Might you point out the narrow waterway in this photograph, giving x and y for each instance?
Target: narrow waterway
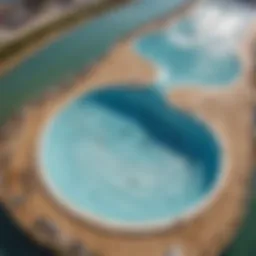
(68, 55)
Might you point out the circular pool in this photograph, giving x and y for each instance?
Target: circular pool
(125, 158)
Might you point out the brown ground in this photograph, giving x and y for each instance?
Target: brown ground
(228, 112)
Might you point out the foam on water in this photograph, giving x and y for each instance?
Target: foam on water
(199, 49)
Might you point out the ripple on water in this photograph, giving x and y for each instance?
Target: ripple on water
(104, 154)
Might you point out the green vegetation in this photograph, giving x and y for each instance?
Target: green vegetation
(64, 23)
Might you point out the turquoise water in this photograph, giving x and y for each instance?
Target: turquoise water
(126, 156)
(183, 57)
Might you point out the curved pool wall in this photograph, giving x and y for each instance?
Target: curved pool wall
(125, 156)
(200, 49)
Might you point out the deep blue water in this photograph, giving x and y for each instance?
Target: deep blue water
(127, 156)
